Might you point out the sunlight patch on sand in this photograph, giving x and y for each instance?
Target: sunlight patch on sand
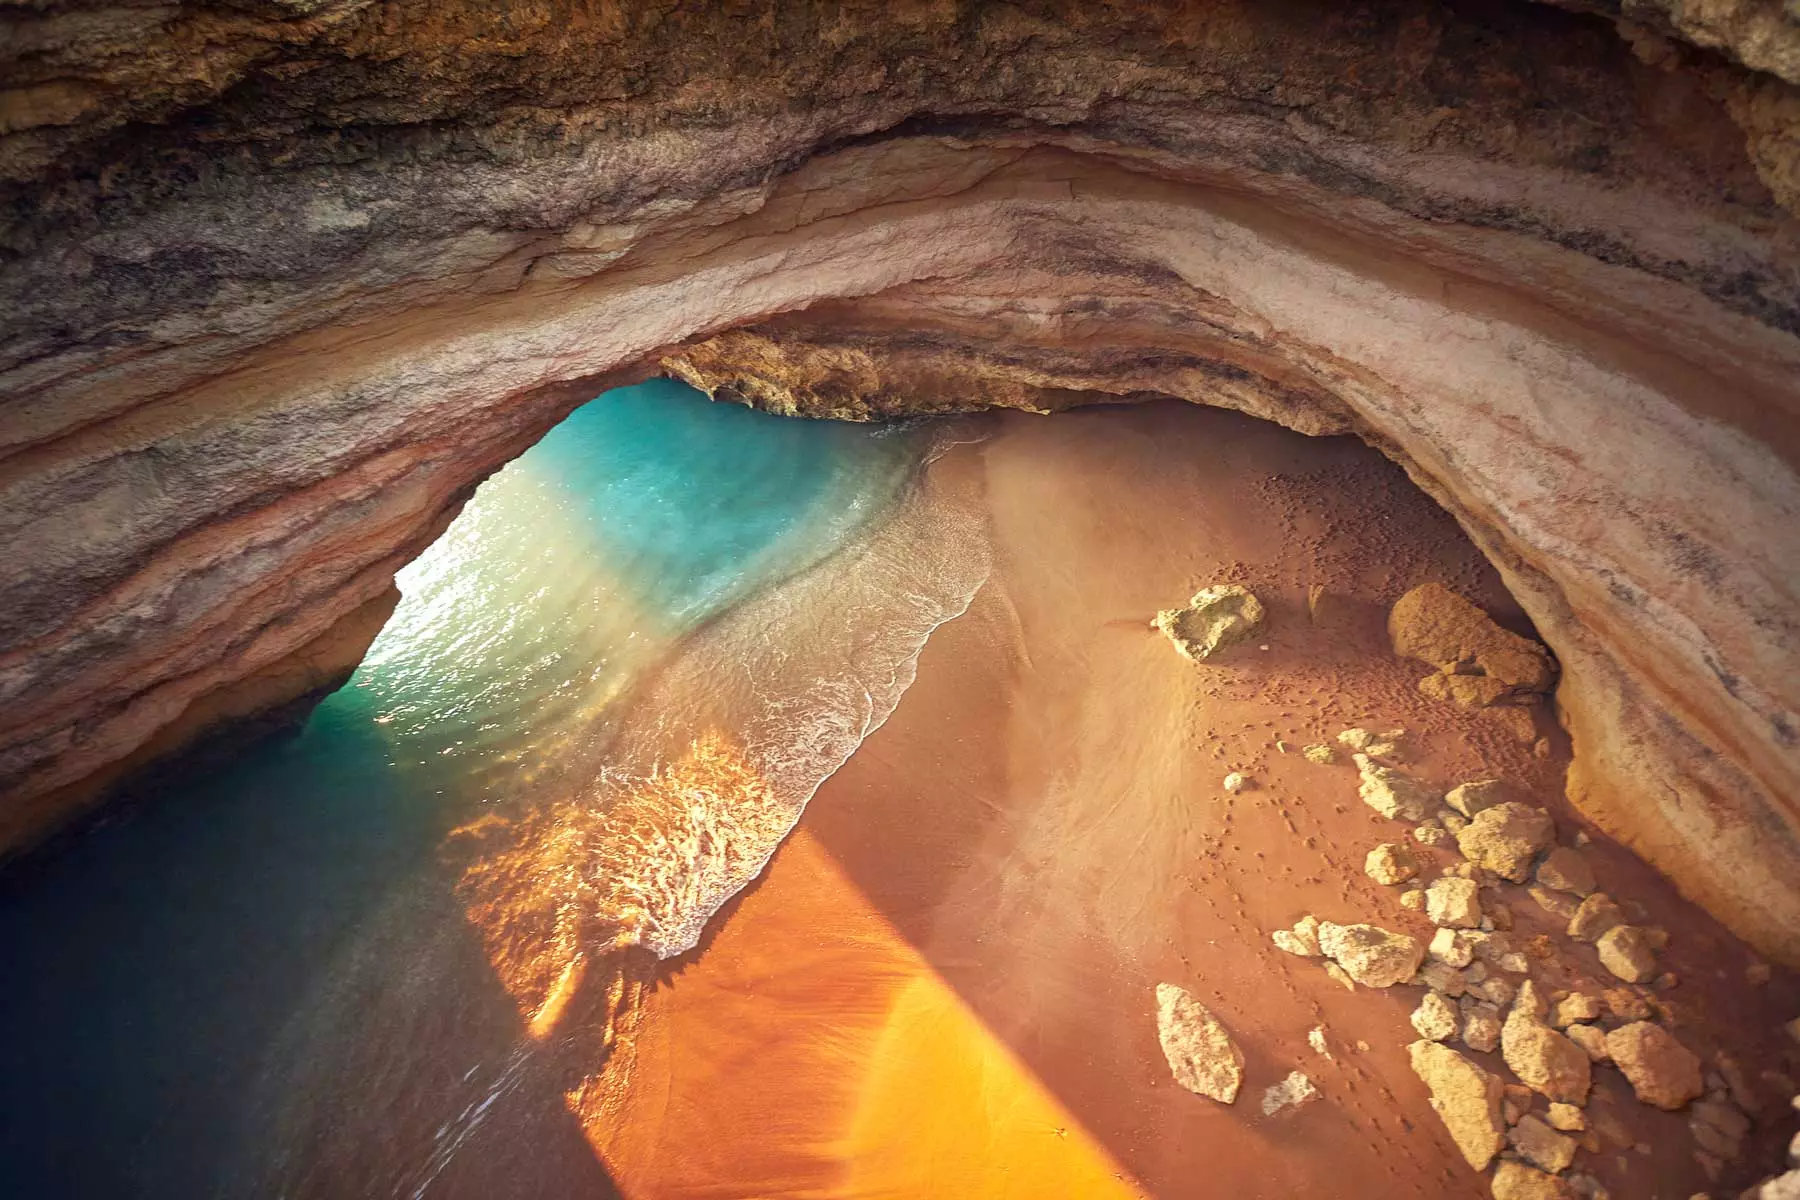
(813, 1052)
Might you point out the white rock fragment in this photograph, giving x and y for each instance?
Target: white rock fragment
(1465, 1097)
(1430, 833)
(1566, 1117)
(1566, 871)
(1315, 1037)
(1595, 915)
(1302, 939)
(1452, 947)
(1201, 1054)
(1236, 782)
(1215, 618)
(1453, 903)
(1542, 1146)
(1390, 863)
(1370, 955)
(1481, 1028)
(1506, 838)
(1291, 1092)
(1470, 799)
(1625, 950)
(1435, 1018)
(1393, 794)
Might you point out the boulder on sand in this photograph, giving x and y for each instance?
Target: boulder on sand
(1215, 618)
(1393, 794)
(1371, 955)
(1465, 1097)
(1201, 1054)
(1478, 663)
(1543, 1059)
(1662, 1071)
(1506, 838)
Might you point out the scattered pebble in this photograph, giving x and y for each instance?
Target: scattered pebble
(1291, 1092)
(1543, 1059)
(1390, 863)
(1435, 1018)
(1453, 903)
(1625, 950)
(1302, 939)
(1566, 871)
(1595, 915)
(1542, 1146)
(1566, 1117)
(1392, 793)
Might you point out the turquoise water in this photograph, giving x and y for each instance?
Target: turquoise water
(260, 981)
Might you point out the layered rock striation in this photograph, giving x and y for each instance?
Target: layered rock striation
(285, 281)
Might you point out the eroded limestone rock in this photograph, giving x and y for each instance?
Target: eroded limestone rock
(1201, 1053)
(1515, 1181)
(1435, 1018)
(1392, 793)
(1370, 955)
(1506, 838)
(1540, 1145)
(1215, 619)
(1466, 1097)
(1543, 1059)
(1292, 1092)
(1453, 904)
(1390, 863)
(1566, 870)
(1479, 664)
(1626, 951)
(1595, 916)
(1662, 1071)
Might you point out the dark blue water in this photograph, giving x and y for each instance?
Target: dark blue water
(259, 982)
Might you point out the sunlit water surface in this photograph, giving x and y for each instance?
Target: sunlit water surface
(274, 979)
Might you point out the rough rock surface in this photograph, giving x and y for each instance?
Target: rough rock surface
(1626, 951)
(284, 281)
(1543, 1059)
(1541, 1146)
(1466, 1097)
(1566, 870)
(1435, 1018)
(1390, 863)
(1214, 619)
(1453, 903)
(1370, 955)
(1506, 838)
(1393, 793)
(1291, 1092)
(1662, 1071)
(1478, 663)
(1516, 1181)
(1201, 1053)
(1594, 917)
(1481, 1028)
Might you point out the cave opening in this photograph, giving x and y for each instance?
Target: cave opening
(558, 837)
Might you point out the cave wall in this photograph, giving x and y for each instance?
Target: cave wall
(285, 280)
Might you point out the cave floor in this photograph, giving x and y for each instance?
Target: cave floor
(944, 983)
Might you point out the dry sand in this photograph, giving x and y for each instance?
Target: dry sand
(943, 985)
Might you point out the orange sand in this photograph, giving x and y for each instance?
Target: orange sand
(943, 985)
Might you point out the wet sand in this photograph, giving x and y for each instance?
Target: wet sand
(943, 984)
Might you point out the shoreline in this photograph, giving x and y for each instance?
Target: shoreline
(1037, 837)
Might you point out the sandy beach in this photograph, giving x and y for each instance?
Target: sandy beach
(944, 983)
